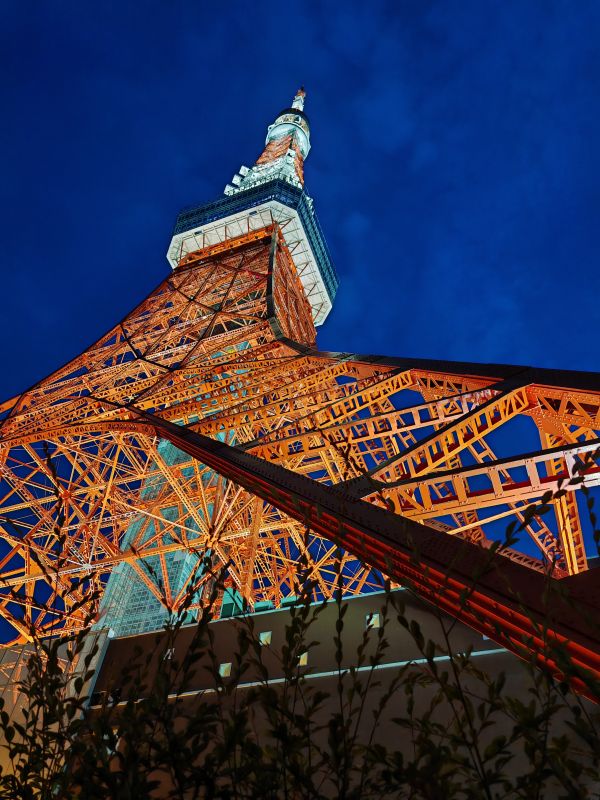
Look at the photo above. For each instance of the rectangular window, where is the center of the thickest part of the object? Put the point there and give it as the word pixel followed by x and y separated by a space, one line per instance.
pixel 225 669
pixel 303 659
pixel 373 620
pixel 264 637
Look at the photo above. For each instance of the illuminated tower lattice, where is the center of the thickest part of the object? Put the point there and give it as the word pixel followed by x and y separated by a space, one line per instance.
pixel 208 424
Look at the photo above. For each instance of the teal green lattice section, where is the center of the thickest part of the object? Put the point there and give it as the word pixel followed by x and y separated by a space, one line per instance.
pixel 128 606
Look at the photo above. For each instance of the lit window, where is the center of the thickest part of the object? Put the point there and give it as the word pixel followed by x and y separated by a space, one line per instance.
pixel 225 669
pixel 264 637
pixel 303 659
pixel 116 739
pixel 373 620
pixel 169 653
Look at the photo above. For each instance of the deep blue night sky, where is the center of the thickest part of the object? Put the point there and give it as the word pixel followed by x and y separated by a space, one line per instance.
pixel 455 165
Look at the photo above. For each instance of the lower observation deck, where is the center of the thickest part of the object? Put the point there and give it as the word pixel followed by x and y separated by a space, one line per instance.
pixel 275 201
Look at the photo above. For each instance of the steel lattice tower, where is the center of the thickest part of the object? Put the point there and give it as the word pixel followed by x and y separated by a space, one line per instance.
pixel 207 422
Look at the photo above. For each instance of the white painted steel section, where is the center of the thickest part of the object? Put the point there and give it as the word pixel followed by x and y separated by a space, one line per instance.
pixel 252 219
pixel 282 168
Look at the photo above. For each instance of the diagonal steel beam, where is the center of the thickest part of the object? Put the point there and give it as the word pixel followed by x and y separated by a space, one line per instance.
pixel 446 442
pixel 416 498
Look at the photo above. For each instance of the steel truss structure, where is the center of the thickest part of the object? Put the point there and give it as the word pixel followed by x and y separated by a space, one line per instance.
pixel 286 454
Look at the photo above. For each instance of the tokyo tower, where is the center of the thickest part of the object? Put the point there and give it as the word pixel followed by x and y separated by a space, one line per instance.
pixel 207 427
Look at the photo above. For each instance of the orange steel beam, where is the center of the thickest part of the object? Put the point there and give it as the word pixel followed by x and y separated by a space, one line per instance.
pixel 447 441
pixel 570 530
pixel 416 498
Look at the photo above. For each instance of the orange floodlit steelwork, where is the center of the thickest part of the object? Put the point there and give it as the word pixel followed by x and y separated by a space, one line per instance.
pixel 280 452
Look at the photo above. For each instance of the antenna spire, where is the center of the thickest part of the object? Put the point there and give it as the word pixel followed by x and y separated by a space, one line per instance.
pixel 286 146
pixel 299 99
